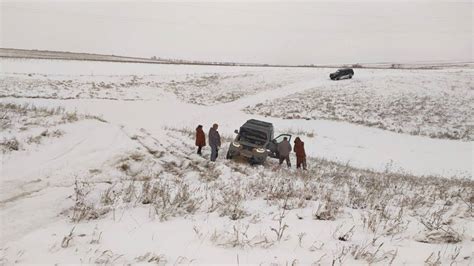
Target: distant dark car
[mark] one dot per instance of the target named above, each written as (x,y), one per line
(344,73)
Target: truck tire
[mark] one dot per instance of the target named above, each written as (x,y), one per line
(253,162)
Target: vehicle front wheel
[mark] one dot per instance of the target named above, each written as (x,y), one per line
(253,161)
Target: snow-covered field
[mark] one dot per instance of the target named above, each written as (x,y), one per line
(98,166)
(202,88)
(437,103)
(192,88)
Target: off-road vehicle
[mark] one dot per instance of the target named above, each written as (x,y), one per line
(255,142)
(343,73)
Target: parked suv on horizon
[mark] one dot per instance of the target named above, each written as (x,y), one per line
(343,73)
(255,142)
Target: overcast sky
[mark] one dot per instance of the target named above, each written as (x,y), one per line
(264,32)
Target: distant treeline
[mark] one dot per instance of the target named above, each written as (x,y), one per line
(58,55)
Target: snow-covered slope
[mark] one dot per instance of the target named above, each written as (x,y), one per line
(115,181)
(162,93)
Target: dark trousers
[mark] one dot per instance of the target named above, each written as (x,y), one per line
(301,162)
(287,159)
(214,153)
(199,150)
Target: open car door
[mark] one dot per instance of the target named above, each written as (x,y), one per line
(273,145)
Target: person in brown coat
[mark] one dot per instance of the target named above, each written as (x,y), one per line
(300,153)
(200,139)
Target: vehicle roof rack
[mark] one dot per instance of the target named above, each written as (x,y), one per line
(259,123)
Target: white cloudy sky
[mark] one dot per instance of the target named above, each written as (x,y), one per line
(266,32)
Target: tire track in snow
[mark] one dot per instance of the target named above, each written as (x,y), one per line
(68,150)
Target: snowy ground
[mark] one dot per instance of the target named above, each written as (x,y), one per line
(437,104)
(192,88)
(188,83)
(111,181)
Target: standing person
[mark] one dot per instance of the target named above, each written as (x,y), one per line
(200,139)
(284,149)
(214,141)
(300,153)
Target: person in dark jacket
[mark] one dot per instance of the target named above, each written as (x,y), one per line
(300,153)
(214,141)
(284,149)
(200,139)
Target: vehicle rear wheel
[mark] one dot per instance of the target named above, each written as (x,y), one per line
(350,76)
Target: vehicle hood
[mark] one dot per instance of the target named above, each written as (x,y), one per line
(249,144)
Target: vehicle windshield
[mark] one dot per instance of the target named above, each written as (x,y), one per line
(252,136)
